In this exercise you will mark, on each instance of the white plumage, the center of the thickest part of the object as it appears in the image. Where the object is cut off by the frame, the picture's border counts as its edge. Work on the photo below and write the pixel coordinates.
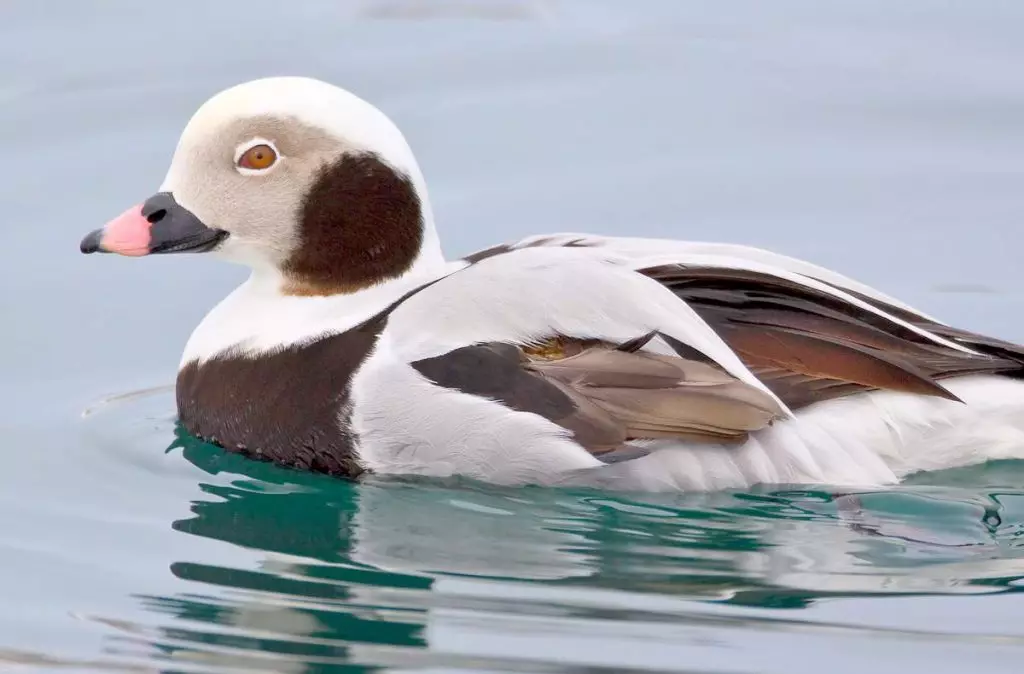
(871, 438)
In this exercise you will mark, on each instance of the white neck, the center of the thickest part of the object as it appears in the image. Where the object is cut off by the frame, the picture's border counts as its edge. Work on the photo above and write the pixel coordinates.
(256, 317)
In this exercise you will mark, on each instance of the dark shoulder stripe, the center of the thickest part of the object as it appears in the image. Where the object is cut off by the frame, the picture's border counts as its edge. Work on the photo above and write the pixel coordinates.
(502, 249)
(499, 371)
(495, 371)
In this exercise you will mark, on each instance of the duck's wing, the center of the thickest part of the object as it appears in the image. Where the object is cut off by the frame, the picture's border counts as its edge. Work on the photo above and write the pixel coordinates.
(585, 342)
(605, 394)
(808, 333)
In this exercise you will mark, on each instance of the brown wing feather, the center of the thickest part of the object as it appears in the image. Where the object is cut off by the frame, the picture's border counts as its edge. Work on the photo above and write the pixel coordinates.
(608, 395)
(1005, 351)
(808, 346)
(656, 396)
(747, 288)
(823, 356)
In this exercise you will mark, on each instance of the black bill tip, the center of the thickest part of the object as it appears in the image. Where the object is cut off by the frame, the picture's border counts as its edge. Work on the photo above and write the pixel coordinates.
(91, 242)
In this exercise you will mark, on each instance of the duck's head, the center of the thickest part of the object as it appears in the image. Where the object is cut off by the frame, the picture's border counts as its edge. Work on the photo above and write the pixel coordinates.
(298, 179)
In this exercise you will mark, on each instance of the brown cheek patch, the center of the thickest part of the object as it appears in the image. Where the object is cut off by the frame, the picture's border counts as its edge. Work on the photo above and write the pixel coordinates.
(361, 223)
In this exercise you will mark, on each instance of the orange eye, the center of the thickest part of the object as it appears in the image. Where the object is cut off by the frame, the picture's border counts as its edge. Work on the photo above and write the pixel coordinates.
(258, 158)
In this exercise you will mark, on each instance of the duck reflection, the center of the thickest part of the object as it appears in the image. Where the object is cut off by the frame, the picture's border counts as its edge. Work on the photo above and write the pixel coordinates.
(719, 545)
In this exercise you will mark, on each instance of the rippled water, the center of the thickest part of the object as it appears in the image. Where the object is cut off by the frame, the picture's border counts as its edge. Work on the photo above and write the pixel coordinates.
(886, 140)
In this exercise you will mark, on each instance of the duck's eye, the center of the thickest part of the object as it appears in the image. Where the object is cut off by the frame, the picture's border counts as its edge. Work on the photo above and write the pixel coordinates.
(258, 158)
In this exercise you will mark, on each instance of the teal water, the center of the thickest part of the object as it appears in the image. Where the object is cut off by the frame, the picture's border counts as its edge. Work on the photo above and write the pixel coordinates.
(883, 140)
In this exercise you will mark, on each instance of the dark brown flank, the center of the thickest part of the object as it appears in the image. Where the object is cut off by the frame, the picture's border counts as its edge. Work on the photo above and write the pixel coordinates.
(608, 394)
(283, 406)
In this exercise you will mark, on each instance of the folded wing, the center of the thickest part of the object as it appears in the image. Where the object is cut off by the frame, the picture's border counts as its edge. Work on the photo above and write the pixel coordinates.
(607, 395)
(808, 333)
(584, 341)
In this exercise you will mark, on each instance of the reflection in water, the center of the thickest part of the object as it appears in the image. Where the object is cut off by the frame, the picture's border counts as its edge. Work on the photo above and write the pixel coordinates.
(389, 572)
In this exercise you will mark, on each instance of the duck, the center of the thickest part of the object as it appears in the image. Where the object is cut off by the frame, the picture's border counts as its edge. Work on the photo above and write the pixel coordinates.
(355, 348)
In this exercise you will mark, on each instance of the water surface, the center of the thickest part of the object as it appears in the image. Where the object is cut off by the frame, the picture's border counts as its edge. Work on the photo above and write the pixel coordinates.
(884, 140)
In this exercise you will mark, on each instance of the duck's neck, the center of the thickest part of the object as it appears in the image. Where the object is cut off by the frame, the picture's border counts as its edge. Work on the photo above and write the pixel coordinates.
(260, 316)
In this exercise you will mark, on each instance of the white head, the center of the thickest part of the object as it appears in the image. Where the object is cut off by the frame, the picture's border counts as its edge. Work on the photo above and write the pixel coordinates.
(295, 178)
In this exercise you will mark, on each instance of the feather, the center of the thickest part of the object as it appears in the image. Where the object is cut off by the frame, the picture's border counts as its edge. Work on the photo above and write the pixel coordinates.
(606, 395)
(807, 346)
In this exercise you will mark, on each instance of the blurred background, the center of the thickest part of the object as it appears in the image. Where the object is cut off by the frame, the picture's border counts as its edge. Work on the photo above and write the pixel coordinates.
(882, 139)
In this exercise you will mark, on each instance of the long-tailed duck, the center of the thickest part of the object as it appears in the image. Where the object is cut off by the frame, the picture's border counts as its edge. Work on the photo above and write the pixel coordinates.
(643, 364)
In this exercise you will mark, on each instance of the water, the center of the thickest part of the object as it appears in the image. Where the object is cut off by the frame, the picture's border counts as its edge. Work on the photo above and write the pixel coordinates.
(886, 140)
